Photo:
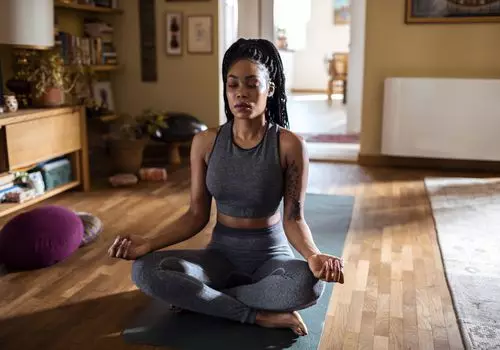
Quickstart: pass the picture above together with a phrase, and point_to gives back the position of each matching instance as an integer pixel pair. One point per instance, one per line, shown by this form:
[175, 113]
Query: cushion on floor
[40, 237]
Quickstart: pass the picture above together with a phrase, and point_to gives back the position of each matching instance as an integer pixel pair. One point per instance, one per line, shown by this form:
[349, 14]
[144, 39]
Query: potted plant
[51, 78]
[129, 136]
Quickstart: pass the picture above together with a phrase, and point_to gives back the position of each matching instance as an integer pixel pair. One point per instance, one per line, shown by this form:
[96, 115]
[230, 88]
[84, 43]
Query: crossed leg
[280, 284]
[203, 281]
[190, 280]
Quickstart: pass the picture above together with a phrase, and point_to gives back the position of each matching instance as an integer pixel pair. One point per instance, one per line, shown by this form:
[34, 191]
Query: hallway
[311, 114]
[323, 126]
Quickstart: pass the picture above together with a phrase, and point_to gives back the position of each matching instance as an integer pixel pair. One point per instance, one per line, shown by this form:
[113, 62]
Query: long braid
[264, 52]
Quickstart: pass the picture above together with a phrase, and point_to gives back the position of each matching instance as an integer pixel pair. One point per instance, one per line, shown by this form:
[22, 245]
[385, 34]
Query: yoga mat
[329, 218]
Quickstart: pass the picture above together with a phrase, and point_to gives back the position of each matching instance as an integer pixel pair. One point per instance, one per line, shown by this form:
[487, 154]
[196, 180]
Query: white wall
[248, 18]
[267, 19]
[256, 19]
[356, 66]
[323, 38]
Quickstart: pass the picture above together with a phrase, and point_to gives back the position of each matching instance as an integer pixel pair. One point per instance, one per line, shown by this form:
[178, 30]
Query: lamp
[27, 25]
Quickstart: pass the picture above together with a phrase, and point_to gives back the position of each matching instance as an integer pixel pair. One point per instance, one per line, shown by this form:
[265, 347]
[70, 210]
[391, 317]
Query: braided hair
[264, 53]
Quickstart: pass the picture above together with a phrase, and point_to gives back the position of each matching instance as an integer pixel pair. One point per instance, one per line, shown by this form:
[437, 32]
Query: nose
[241, 92]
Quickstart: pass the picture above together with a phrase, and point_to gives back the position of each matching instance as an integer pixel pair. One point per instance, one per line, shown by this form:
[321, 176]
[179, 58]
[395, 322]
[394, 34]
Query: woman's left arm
[323, 266]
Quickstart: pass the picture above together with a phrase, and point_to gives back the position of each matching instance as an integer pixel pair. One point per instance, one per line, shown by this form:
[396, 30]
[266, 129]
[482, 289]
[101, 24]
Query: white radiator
[442, 118]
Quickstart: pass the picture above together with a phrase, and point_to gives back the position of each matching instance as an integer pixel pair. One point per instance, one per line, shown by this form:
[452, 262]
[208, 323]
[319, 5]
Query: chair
[337, 73]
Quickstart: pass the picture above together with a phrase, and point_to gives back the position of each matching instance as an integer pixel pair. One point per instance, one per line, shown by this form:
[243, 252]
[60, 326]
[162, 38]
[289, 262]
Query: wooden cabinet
[32, 136]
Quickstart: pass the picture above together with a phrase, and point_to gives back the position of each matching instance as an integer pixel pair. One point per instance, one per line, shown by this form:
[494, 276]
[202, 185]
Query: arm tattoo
[293, 191]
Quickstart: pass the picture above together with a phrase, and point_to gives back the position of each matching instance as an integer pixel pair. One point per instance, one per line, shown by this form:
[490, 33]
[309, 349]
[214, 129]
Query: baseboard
[428, 163]
[308, 91]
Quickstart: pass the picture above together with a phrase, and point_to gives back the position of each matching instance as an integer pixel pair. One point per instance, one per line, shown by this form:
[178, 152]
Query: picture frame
[451, 11]
[103, 95]
[187, 0]
[174, 33]
[341, 12]
[200, 34]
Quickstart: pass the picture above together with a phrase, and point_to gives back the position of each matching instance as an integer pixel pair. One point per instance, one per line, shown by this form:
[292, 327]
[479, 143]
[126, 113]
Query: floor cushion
[40, 237]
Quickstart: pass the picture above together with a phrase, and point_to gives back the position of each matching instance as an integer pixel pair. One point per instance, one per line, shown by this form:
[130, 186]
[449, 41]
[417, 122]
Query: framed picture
[173, 33]
[186, 0]
[103, 95]
[200, 36]
[452, 11]
[341, 12]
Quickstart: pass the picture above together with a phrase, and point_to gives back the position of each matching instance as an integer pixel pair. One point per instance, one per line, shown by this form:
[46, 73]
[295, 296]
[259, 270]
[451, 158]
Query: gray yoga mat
[329, 218]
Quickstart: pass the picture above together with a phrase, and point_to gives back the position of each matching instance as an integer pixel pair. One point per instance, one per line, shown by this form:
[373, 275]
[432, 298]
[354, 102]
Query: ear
[272, 87]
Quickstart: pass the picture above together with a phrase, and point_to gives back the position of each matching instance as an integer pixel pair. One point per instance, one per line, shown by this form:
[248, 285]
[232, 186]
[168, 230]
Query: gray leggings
[240, 272]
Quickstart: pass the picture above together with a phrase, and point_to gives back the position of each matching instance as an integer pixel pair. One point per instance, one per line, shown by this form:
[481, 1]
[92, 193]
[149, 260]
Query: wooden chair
[337, 72]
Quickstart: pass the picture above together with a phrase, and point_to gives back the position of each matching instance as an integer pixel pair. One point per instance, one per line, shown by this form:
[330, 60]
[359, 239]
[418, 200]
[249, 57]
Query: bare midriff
[236, 222]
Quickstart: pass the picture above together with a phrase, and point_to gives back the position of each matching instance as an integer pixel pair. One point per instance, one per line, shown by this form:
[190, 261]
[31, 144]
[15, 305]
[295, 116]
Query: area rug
[329, 218]
[467, 218]
[330, 138]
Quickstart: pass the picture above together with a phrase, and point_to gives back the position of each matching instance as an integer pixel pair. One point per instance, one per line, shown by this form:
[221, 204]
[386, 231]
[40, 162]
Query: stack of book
[100, 35]
[94, 48]
[10, 192]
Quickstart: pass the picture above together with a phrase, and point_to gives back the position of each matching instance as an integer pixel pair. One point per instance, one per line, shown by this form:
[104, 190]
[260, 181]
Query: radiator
[444, 118]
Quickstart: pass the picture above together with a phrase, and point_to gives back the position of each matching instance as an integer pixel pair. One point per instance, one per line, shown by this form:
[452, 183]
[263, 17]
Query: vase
[127, 155]
[52, 97]
[11, 103]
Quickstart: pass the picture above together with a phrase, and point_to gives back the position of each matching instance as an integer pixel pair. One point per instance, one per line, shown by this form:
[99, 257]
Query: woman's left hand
[327, 268]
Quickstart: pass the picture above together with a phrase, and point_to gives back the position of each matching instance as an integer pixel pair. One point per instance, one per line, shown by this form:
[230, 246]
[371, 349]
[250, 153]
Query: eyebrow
[247, 77]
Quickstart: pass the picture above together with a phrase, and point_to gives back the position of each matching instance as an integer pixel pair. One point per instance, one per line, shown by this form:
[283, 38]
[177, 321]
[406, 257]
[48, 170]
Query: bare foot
[290, 320]
[176, 309]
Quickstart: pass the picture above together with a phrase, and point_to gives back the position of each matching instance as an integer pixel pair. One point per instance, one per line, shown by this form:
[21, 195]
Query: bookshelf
[84, 29]
[105, 67]
[9, 208]
[86, 8]
[24, 134]
[72, 17]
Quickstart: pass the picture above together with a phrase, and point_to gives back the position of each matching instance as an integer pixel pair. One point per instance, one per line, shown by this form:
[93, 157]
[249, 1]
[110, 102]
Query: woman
[248, 272]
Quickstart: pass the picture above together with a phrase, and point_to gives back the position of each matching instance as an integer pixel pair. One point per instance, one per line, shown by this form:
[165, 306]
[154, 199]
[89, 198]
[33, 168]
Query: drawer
[38, 140]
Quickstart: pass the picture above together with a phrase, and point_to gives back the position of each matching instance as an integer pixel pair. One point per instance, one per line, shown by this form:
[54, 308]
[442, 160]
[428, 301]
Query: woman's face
[247, 89]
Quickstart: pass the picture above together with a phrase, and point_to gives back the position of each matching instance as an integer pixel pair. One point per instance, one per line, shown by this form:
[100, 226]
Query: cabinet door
[41, 139]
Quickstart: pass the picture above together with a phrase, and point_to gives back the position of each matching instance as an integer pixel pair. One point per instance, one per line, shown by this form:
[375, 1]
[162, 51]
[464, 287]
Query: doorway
[314, 40]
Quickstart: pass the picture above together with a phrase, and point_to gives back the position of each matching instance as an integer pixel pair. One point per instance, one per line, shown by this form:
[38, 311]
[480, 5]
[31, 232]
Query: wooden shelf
[104, 68]
[87, 8]
[9, 208]
[109, 117]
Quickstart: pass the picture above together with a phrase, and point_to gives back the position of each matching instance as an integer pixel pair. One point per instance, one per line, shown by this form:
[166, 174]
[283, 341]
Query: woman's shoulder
[290, 141]
[207, 136]
[205, 140]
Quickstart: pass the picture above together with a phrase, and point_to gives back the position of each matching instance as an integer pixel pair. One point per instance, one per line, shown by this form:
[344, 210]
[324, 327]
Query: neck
[248, 129]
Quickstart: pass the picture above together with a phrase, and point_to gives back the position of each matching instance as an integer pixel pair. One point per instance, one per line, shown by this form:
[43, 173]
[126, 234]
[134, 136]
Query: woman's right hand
[129, 247]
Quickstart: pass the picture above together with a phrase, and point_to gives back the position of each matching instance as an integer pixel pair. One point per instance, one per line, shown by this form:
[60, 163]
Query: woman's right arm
[198, 215]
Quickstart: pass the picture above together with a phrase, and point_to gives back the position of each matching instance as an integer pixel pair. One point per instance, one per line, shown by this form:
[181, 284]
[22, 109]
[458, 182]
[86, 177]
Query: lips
[243, 105]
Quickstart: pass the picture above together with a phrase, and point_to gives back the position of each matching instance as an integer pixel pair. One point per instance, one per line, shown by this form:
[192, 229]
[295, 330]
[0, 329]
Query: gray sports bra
[246, 182]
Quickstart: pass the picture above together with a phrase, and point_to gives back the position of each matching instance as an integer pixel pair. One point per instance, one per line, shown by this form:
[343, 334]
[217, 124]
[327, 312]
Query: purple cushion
[40, 237]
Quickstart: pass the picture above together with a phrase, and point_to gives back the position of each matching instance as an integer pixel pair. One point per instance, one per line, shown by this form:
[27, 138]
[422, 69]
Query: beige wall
[189, 83]
[396, 49]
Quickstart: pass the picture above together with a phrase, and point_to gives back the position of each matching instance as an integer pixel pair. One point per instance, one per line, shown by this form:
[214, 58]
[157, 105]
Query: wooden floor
[395, 296]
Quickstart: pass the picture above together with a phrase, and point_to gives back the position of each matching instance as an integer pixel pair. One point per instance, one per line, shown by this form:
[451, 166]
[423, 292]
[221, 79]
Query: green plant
[49, 71]
[148, 123]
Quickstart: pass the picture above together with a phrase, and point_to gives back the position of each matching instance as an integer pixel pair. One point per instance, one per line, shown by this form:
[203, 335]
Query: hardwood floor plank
[396, 333]
[380, 343]
[383, 315]
[355, 312]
